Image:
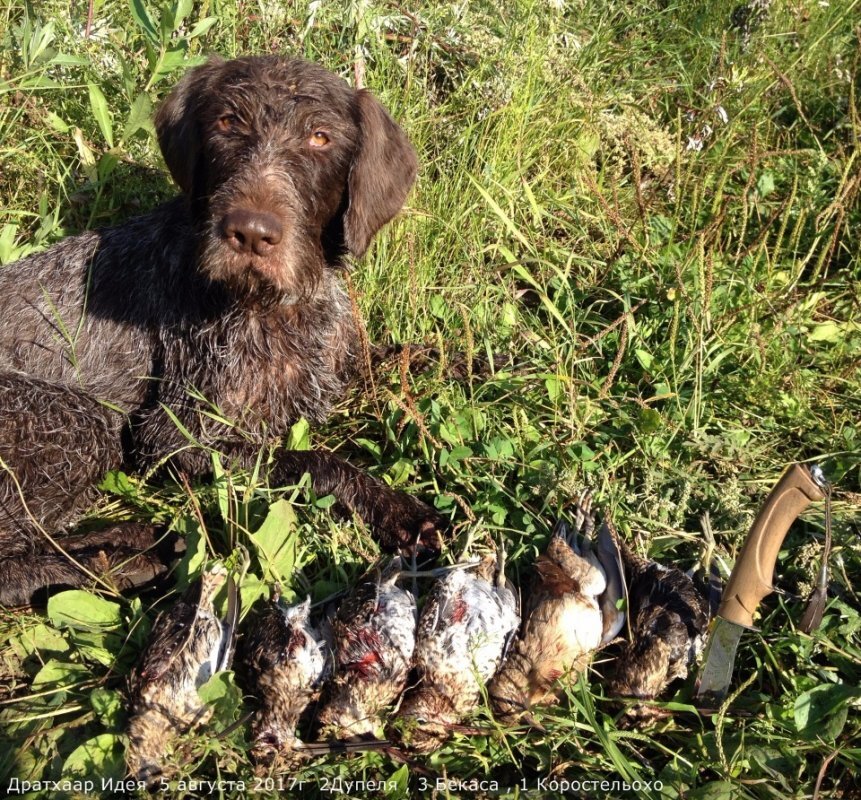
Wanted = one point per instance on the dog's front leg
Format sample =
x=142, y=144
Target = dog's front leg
x=399, y=520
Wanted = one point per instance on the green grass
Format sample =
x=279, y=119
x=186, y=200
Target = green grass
x=684, y=323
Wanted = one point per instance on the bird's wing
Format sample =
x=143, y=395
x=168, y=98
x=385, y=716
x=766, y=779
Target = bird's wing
x=675, y=593
x=267, y=641
x=228, y=627
x=170, y=636
x=552, y=578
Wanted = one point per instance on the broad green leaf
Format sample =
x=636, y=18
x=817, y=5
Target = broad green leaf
x=107, y=164
x=438, y=306
x=275, y=542
x=85, y=152
x=101, y=756
x=585, y=453
x=399, y=473
x=108, y=705
x=169, y=61
x=39, y=81
x=251, y=589
x=716, y=790
x=57, y=122
x=195, y=550
x=56, y=678
x=140, y=117
x=499, y=448
x=650, y=420
x=183, y=9
x=202, y=27
x=459, y=453
x=299, y=437
x=832, y=331
x=43, y=639
x=645, y=358
x=222, y=693
x=99, y=105
x=142, y=17
x=117, y=482
x=64, y=60
x=218, y=686
x=371, y=446
x=101, y=646
x=81, y=610
x=398, y=782
x=328, y=500
x=7, y=242
x=223, y=488
x=765, y=184
x=821, y=712
x=555, y=388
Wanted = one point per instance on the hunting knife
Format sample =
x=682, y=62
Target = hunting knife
x=752, y=575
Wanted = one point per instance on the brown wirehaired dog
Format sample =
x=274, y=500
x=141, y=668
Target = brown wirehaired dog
x=222, y=304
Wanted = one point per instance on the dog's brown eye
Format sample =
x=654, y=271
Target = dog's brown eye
x=225, y=123
x=319, y=139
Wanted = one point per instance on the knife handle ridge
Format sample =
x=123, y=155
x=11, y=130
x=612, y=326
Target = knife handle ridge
x=752, y=577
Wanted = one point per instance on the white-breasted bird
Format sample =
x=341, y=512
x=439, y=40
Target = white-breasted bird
x=466, y=624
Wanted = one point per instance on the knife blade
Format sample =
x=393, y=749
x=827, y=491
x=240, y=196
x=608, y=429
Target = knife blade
x=752, y=576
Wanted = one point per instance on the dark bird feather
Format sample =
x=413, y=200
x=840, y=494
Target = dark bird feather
x=466, y=624
x=668, y=620
x=187, y=646
x=374, y=638
x=286, y=659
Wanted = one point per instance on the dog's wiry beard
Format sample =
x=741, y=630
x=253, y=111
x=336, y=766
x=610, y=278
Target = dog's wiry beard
x=285, y=282
x=250, y=290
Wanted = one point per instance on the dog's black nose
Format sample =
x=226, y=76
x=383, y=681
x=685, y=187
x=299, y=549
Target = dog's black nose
x=249, y=231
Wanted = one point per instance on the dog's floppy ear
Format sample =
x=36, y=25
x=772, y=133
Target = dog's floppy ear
x=382, y=173
x=176, y=122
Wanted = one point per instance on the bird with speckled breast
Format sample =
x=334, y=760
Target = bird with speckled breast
x=286, y=660
x=571, y=611
x=188, y=644
x=374, y=635
x=466, y=624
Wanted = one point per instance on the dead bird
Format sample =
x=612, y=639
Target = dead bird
x=668, y=620
x=469, y=618
x=286, y=660
x=374, y=635
x=564, y=622
x=187, y=646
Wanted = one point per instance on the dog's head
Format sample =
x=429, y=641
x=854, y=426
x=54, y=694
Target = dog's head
x=287, y=167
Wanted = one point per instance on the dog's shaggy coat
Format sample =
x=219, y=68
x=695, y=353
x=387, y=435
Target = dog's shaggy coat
x=223, y=304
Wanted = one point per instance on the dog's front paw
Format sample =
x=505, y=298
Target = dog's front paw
x=403, y=522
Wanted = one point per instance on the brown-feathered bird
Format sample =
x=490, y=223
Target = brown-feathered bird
x=466, y=623
x=286, y=660
x=187, y=646
x=563, y=623
x=668, y=621
x=374, y=637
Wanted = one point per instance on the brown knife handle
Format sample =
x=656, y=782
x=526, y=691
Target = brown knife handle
x=752, y=577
